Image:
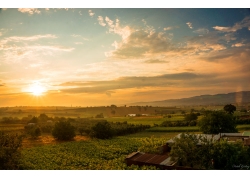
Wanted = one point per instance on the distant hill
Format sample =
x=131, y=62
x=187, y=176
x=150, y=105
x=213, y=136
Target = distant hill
x=217, y=99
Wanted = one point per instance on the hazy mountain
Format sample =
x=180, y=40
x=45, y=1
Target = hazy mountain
x=217, y=99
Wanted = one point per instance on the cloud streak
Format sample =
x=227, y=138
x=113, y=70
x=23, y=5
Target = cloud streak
x=165, y=80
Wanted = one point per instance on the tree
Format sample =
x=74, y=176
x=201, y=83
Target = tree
x=102, y=130
x=230, y=155
x=202, y=153
x=229, y=108
x=63, y=130
x=33, y=120
x=186, y=152
x=191, y=117
x=217, y=122
x=99, y=115
x=43, y=117
x=10, y=151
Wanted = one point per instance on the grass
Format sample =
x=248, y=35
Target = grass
x=174, y=129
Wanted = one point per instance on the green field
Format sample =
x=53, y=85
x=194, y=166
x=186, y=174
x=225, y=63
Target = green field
x=89, y=154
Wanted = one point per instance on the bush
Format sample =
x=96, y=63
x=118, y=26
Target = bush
x=191, y=117
x=33, y=131
x=102, y=130
x=63, y=130
x=10, y=151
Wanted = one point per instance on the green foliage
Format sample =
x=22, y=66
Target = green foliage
x=174, y=129
x=63, y=130
x=152, y=145
x=217, y=122
x=230, y=155
x=99, y=115
x=43, y=117
x=10, y=151
x=33, y=120
x=102, y=130
x=33, y=131
x=92, y=154
x=201, y=153
x=191, y=117
x=229, y=108
x=185, y=149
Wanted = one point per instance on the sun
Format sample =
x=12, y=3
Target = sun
x=37, y=89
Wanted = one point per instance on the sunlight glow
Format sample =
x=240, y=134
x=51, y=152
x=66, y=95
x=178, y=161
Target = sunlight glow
x=37, y=89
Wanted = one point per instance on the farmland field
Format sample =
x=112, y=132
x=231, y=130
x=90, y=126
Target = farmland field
x=88, y=154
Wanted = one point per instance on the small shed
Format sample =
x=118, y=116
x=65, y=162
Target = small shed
x=140, y=159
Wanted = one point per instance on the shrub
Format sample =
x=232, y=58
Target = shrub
x=102, y=130
x=63, y=130
x=10, y=151
x=33, y=131
x=191, y=117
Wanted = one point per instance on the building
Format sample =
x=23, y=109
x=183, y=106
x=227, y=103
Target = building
x=159, y=161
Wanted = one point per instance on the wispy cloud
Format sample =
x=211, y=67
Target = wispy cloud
x=170, y=28
x=91, y=14
x=165, y=80
x=245, y=23
x=190, y=25
x=26, y=38
x=201, y=31
x=30, y=11
x=152, y=61
x=77, y=36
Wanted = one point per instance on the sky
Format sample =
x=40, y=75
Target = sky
x=103, y=56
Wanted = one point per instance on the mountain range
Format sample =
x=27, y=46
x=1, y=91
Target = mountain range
x=242, y=97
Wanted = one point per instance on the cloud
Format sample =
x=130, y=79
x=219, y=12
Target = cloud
x=165, y=80
x=77, y=36
x=101, y=21
x=189, y=25
x=78, y=43
x=91, y=14
x=14, y=49
x=237, y=26
x=26, y=38
x=140, y=43
x=29, y=10
x=201, y=31
x=238, y=45
x=152, y=61
x=170, y=28
x=233, y=58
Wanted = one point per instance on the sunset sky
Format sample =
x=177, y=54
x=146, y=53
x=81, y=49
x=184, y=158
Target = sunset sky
x=101, y=56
